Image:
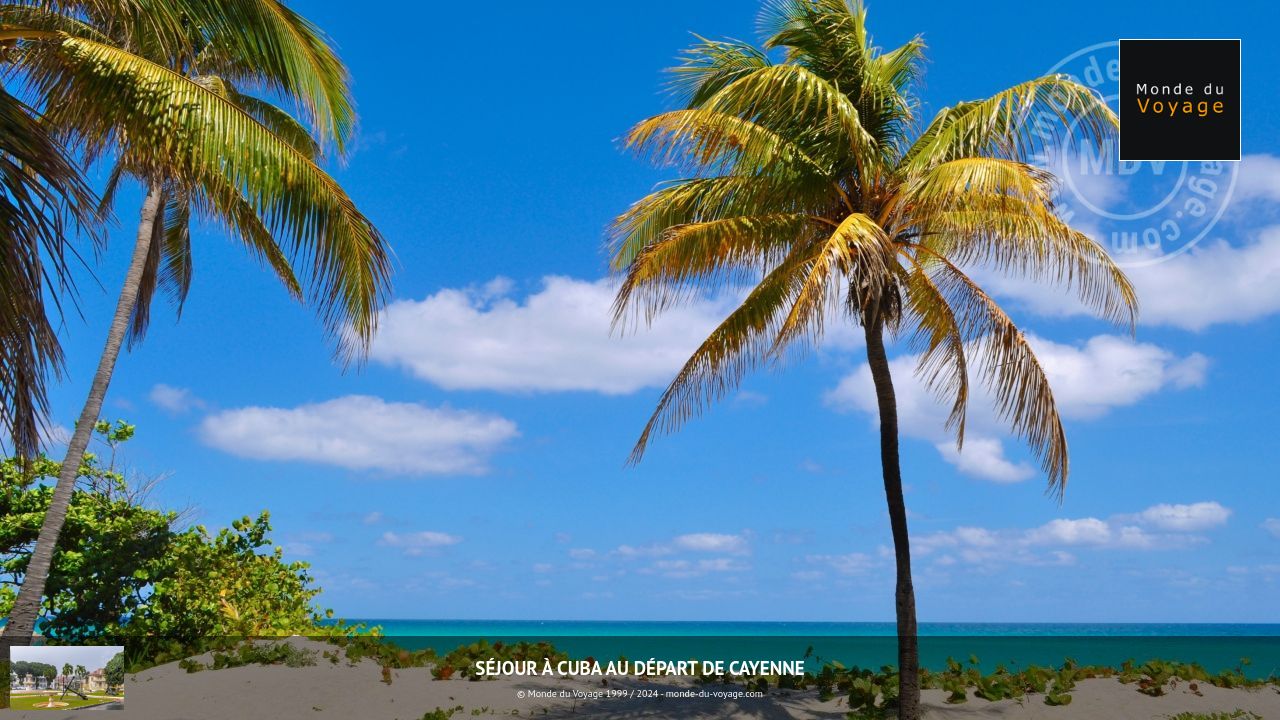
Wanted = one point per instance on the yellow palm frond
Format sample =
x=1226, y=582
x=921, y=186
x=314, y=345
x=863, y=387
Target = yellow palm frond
x=699, y=200
x=857, y=252
x=707, y=256
x=700, y=139
x=796, y=103
x=733, y=349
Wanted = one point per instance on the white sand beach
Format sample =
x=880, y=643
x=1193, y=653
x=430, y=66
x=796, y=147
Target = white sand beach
x=343, y=690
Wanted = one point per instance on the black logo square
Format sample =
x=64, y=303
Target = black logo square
x=1179, y=99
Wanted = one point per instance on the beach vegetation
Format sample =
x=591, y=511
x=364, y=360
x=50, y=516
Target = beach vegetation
x=127, y=573
x=810, y=185
x=1233, y=715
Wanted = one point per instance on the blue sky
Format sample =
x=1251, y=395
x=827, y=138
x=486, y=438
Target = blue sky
x=475, y=467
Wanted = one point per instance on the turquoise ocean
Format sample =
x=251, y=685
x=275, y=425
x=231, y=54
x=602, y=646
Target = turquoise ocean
x=1254, y=648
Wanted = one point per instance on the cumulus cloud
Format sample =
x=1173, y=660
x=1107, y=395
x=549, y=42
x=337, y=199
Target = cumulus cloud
x=174, y=400
x=363, y=433
x=1193, y=517
x=1272, y=525
x=417, y=543
x=1159, y=527
x=557, y=339
x=1088, y=380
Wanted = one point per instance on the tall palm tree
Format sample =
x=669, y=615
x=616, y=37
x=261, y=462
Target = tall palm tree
x=153, y=85
x=811, y=181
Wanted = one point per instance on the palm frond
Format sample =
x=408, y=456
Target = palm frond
x=711, y=65
x=707, y=257
x=699, y=200
x=806, y=108
x=1009, y=369
x=1000, y=214
x=43, y=202
x=943, y=366
x=263, y=43
x=733, y=349
x=284, y=125
x=171, y=126
x=857, y=252
x=1020, y=123
x=701, y=140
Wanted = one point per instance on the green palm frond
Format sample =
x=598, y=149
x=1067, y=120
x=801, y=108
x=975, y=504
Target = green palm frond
x=172, y=126
x=265, y=44
x=1019, y=123
x=711, y=65
x=284, y=125
x=804, y=107
x=699, y=200
x=703, y=140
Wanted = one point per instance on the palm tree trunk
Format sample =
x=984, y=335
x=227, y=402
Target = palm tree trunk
x=904, y=596
x=26, y=607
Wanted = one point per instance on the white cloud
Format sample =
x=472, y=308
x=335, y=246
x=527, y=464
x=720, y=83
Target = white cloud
x=557, y=339
x=691, y=542
x=712, y=542
x=984, y=457
x=1159, y=527
x=174, y=400
x=416, y=543
x=1088, y=380
x=363, y=433
x=372, y=518
x=1258, y=179
x=1272, y=525
x=1085, y=531
x=1213, y=283
x=1197, y=516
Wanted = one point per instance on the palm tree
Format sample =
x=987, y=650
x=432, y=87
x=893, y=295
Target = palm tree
x=811, y=181
x=154, y=86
